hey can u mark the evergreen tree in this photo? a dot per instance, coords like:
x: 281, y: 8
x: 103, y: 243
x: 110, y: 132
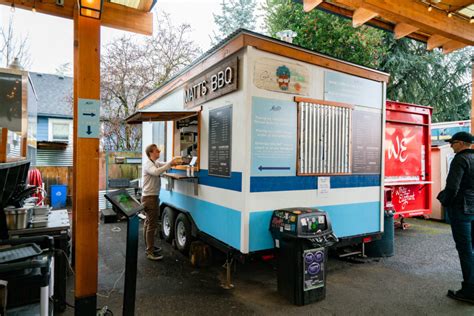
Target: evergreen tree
x: 235, y: 14
x: 416, y: 75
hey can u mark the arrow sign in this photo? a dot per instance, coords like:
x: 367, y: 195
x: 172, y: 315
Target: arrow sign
x: 89, y: 114
x: 261, y: 168
x: 88, y: 118
x: 89, y: 130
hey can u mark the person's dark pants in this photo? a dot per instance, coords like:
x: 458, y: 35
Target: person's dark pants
x: 462, y: 227
x: 152, y: 211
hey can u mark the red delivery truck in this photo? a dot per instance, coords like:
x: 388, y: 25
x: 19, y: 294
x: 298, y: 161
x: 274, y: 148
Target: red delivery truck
x: 407, y: 160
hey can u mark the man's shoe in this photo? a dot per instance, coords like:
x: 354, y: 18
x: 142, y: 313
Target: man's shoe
x: 154, y: 256
x: 460, y: 296
x: 156, y: 250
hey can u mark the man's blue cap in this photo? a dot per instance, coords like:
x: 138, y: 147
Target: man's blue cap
x: 462, y: 136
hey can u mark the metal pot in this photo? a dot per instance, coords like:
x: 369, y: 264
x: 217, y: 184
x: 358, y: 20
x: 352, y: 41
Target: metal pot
x: 23, y: 217
x: 11, y: 218
x: 17, y: 218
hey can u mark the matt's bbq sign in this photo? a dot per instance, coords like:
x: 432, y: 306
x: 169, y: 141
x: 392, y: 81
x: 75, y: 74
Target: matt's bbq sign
x: 218, y: 81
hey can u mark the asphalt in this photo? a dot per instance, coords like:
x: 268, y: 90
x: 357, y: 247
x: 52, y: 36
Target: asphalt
x: 412, y: 282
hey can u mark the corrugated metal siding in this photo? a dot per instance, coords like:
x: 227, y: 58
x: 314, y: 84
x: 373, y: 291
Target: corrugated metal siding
x: 42, y: 132
x: 54, y: 157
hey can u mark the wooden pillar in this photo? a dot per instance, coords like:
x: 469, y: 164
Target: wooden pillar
x: 3, y: 144
x: 472, y: 95
x: 86, y: 166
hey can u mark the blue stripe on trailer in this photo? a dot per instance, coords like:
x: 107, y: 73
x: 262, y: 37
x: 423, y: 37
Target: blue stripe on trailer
x: 234, y: 182
x: 269, y: 184
x: 218, y: 221
x: 347, y: 220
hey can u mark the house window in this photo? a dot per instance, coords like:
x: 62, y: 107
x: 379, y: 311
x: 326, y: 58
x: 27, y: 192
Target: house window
x: 59, y: 130
x: 324, y: 140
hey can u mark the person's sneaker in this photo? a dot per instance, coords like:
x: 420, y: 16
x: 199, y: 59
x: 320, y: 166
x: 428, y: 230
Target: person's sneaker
x: 155, y: 250
x: 460, y: 296
x: 154, y: 256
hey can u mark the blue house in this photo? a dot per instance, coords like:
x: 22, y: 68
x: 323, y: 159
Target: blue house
x: 55, y: 121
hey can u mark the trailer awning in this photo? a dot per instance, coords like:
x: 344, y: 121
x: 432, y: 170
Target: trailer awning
x: 140, y: 117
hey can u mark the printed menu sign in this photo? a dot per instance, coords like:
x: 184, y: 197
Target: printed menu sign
x: 220, y: 141
x: 366, y: 142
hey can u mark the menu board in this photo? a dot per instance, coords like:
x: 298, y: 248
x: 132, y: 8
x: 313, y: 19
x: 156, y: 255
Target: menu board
x: 220, y: 141
x: 366, y: 142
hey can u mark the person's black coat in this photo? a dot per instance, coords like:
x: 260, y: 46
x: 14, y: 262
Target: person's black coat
x: 459, y: 191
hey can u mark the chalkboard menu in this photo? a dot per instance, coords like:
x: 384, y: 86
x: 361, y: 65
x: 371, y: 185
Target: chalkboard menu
x: 366, y: 142
x: 220, y: 141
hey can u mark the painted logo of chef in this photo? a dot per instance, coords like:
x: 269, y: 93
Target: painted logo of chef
x: 283, y: 73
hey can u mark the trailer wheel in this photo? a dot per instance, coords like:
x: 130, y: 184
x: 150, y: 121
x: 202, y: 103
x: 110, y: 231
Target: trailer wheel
x: 167, y: 223
x: 183, y: 237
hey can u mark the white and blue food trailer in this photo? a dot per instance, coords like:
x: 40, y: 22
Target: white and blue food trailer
x: 273, y: 126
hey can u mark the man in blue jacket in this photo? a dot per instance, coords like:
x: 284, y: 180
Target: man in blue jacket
x: 458, y: 200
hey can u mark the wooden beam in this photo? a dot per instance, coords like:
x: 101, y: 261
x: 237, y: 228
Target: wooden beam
x: 375, y: 22
x: 451, y: 46
x: 415, y: 13
x: 309, y: 5
x: 86, y: 171
x: 403, y: 29
x: 113, y: 15
x: 436, y: 41
x: 361, y: 16
x: 472, y: 96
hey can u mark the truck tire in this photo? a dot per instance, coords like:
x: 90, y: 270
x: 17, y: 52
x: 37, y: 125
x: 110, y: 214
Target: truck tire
x: 167, y: 223
x: 183, y: 236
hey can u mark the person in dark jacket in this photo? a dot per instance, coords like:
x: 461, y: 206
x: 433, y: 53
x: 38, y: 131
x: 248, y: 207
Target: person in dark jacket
x: 458, y: 200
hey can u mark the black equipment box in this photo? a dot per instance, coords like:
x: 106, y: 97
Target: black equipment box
x: 301, y: 237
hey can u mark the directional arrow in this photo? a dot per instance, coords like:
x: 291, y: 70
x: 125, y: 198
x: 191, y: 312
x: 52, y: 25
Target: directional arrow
x: 89, y: 130
x: 261, y: 168
x: 89, y: 114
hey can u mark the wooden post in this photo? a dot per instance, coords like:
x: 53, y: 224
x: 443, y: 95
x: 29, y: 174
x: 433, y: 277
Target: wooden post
x: 3, y: 144
x: 86, y: 166
x: 472, y: 95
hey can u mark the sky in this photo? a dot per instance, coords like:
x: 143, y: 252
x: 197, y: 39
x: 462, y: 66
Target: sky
x: 50, y: 38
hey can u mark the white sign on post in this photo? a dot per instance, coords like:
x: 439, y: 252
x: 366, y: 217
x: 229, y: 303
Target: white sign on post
x: 88, y: 121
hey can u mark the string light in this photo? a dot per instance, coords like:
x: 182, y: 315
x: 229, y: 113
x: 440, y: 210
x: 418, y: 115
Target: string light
x: 450, y: 14
x: 34, y: 6
x: 13, y: 6
x: 471, y: 20
x: 430, y: 8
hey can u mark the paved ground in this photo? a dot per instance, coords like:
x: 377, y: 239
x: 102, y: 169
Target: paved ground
x: 413, y: 282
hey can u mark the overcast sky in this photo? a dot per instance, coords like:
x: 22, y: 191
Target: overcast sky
x: 50, y: 38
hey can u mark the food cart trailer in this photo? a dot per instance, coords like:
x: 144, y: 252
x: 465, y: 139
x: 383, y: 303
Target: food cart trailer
x: 408, y: 160
x: 272, y: 125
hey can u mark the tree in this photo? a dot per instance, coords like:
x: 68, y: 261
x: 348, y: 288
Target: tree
x: 235, y: 14
x: 326, y: 33
x: 430, y: 78
x: 130, y: 69
x: 416, y: 75
x: 12, y: 47
x: 64, y: 69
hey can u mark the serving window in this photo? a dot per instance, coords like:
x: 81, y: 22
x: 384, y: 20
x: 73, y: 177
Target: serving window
x: 186, y: 127
x: 186, y: 140
x: 324, y: 137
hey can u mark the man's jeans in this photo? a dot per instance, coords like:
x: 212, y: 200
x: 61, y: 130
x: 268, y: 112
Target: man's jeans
x: 462, y: 227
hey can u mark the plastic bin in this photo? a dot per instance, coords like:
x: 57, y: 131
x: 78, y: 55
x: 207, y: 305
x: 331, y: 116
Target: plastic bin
x: 385, y: 246
x: 58, y: 195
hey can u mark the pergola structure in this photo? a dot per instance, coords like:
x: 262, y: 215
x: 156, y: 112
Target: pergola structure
x: 444, y: 24
x: 88, y: 16
x: 424, y: 20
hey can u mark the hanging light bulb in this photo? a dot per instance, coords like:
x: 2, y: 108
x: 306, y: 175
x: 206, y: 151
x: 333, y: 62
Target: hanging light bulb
x: 450, y: 14
x: 34, y: 6
x: 430, y: 8
x: 471, y: 20
x: 12, y: 7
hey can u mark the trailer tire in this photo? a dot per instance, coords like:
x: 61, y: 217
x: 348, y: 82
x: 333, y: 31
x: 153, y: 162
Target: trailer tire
x: 167, y: 223
x: 183, y: 233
